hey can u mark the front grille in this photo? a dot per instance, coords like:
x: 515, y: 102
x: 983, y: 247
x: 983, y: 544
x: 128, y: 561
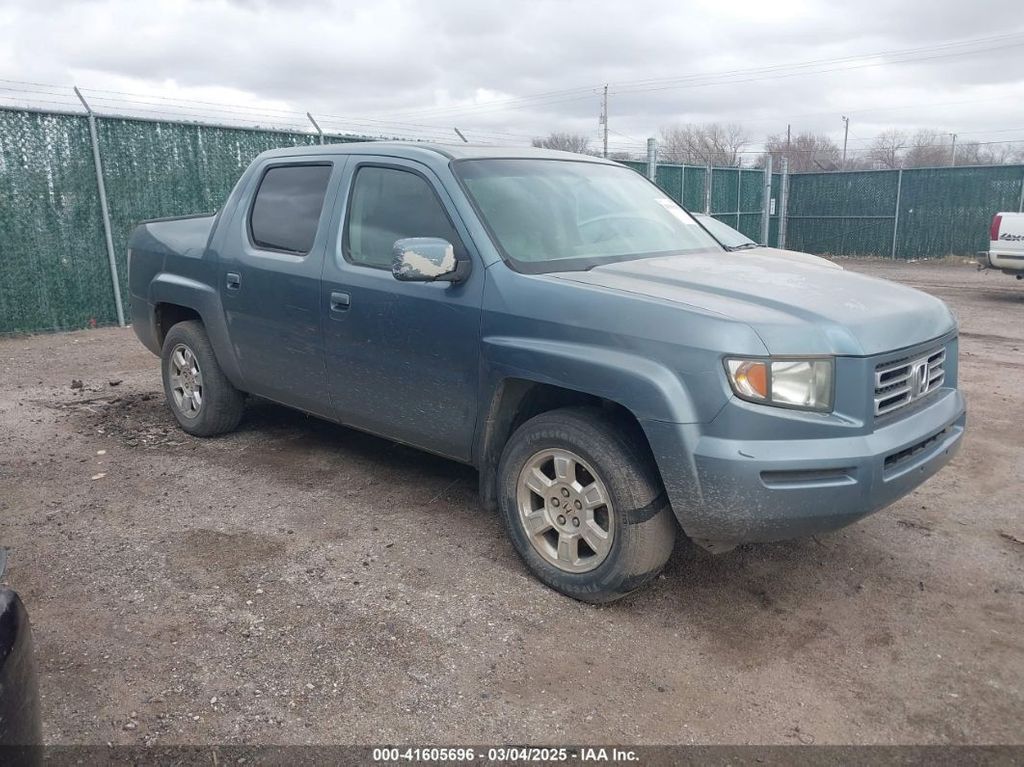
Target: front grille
x: 900, y: 382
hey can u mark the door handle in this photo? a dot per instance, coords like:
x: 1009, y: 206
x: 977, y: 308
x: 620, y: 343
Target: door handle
x: 340, y: 301
x: 234, y: 281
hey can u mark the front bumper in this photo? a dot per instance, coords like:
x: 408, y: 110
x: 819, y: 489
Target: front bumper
x: 729, y: 491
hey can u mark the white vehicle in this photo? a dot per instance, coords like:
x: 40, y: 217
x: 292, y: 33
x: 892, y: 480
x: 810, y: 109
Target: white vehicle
x: 1006, y: 245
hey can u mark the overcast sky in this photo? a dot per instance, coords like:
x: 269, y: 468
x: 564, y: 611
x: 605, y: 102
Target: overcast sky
x: 503, y: 72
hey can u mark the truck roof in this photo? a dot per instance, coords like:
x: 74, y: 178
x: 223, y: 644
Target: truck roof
x: 415, y: 150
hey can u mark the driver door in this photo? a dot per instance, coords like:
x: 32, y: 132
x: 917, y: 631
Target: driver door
x: 402, y: 357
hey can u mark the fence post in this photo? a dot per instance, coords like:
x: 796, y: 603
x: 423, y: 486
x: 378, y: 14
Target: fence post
x: 766, y: 201
x: 104, y: 210
x: 652, y: 159
x: 682, y: 186
x: 1020, y: 205
x: 319, y: 132
x: 739, y: 195
x: 707, y: 188
x: 784, y: 203
x: 896, y: 216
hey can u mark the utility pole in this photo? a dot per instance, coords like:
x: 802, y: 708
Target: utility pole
x: 952, y: 153
x: 604, y: 119
x: 788, y: 136
x: 846, y: 136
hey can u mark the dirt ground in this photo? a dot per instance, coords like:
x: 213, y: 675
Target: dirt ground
x: 298, y: 582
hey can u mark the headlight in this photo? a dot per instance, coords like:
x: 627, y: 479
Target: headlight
x: 797, y: 383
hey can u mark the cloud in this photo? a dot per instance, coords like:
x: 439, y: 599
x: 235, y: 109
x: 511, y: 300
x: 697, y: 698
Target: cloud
x: 507, y: 71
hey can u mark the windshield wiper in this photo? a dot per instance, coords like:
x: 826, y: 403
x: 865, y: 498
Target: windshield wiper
x: 745, y: 246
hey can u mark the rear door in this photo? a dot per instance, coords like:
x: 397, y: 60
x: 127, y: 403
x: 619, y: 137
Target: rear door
x: 402, y: 357
x: 270, y: 279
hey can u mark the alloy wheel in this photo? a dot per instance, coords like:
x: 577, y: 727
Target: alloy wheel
x: 565, y: 510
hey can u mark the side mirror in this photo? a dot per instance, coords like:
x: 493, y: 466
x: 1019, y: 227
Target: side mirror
x: 427, y: 259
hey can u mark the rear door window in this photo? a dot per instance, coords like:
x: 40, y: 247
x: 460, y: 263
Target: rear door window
x: 286, y: 212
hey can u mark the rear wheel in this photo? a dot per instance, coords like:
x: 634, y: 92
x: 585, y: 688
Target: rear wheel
x: 202, y: 399
x: 583, y: 504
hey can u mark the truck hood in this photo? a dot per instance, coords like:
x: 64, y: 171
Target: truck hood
x: 796, y: 307
x: 794, y: 255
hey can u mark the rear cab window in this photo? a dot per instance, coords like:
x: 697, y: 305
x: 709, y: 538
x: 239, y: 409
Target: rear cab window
x: 286, y: 210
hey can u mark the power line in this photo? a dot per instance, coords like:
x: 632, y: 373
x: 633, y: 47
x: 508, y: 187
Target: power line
x: 569, y: 95
x: 818, y: 71
x: 707, y: 79
x: 294, y: 119
x: 252, y: 112
x: 841, y: 59
x: 551, y: 98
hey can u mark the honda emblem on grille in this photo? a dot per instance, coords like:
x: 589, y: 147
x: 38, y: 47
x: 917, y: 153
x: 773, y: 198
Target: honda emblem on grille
x: 919, y: 379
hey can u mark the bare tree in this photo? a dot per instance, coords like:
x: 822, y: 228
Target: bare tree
x: 995, y: 154
x: 929, y: 149
x: 886, y: 149
x: 972, y: 153
x: 567, y: 142
x: 805, y: 152
x: 715, y: 143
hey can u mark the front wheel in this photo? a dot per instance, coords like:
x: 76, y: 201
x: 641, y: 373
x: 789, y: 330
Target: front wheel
x: 583, y: 504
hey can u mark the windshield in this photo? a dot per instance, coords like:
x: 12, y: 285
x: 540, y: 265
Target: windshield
x: 725, y: 234
x: 559, y: 215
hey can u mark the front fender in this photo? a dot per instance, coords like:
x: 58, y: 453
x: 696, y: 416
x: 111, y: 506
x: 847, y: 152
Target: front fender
x: 662, y: 400
x: 648, y: 389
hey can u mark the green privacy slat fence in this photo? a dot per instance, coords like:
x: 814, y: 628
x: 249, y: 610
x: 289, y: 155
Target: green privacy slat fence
x: 842, y: 213
x: 683, y: 183
x: 947, y: 211
x: 54, y: 272
x: 53, y: 262
x: 53, y: 269
x: 916, y: 213
x: 736, y: 194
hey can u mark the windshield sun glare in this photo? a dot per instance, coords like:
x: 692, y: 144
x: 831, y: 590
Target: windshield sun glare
x: 564, y: 215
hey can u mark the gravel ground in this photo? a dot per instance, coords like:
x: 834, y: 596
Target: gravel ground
x: 297, y: 582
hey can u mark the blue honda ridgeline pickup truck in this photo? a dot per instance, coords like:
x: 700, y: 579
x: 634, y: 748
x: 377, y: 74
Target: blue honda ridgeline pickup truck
x: 559, y: 323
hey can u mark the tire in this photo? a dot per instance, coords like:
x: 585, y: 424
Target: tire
x: 219, y: 405
x: 639, y: 528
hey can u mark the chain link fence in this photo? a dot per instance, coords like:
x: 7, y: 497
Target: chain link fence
x: 734, y: 196
x: 53, y: 267
x: 54, y: 270
x: 55, y: 274
x: 907, y: 214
